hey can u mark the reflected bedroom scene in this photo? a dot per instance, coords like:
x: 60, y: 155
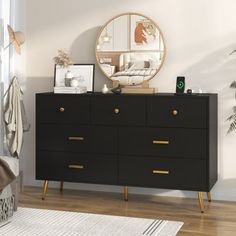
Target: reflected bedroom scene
x: 130, y: 49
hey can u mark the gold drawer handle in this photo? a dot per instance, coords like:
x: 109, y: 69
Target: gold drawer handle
x: 61, y: 109
x: 80, y: 167
x: 117, y: 110
x: 174, y: 112
x: 161, y: 172
x: 76, y: 138
x: 162, y: 142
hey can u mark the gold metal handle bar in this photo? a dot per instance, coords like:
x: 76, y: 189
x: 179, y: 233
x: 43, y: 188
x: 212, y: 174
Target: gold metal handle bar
x: 76, y: 167
x: 76, y: 138
x: 161, y: 142
x: 161, y: 172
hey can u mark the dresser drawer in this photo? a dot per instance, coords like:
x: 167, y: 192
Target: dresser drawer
x: 118, y: 110
x: 76, y: 167
x: 177, y: 111
x: 62, y: 108
x: 77, y: 138
x: 165, y: 142
x: 163, y: 173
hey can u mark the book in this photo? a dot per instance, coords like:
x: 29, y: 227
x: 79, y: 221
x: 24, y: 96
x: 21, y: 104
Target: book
x: 78, y: 90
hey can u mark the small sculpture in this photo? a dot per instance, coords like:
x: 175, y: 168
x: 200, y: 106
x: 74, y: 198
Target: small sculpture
x: 105, y: 89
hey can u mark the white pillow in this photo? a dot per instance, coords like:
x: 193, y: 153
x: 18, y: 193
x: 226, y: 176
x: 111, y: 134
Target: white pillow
x: 154, y: 64
x: 138, y: 65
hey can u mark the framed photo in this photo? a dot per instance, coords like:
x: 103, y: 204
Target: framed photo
x: 83, y: 73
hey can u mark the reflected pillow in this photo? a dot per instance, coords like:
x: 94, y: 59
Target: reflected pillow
x: 138, y: 65
x: 154, y: 64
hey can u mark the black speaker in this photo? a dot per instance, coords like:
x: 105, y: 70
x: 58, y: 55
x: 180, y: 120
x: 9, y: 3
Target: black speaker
x: 180, y: 84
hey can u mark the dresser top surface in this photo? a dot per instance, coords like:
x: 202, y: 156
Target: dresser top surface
x: 117, y: 95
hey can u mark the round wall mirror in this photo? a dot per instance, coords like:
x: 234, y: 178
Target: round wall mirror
x: 130, y: 49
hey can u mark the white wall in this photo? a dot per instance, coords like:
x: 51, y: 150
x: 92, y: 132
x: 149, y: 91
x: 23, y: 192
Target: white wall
x: 199, y: 36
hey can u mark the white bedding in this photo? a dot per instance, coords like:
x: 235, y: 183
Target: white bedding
x: 135, y: 76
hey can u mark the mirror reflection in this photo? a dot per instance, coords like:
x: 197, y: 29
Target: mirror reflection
x: 130, y: 49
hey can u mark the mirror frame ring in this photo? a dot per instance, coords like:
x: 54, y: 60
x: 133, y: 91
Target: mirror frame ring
x: 113, y: 18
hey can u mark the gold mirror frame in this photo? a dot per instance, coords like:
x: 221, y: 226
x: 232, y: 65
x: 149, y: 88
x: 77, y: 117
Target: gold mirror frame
x: 145, y: 83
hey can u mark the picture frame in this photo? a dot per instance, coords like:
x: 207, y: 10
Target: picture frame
x: 84, y: 73
x: 144, y: 35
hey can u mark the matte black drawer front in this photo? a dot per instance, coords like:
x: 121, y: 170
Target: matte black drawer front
x: 76, y: 167
x: 162, y: 173
x: 77, y: 138
x: 62, y: 109
x: 118, y: 110
x: 177, y: 111
x: 168, y: 142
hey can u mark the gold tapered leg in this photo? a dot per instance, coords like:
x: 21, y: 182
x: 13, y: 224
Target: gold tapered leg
x: 45, y: 187
x: 126, y: 193
x: 201, y: 203
x: 209, y: 196
x: 61, y: 186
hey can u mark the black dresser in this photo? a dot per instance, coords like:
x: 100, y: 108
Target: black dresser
x: 160, y: 141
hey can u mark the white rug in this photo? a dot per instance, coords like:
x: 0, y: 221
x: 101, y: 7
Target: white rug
x: 35, y: 222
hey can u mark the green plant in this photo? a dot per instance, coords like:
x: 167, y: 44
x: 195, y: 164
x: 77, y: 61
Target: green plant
x: 232, y: 118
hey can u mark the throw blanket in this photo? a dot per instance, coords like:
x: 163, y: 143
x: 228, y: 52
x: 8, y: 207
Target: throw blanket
x: 9, y: 170
x: 15, y: 118
x: 137, y: 72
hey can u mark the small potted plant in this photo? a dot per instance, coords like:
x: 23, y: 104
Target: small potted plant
x: 232, y: 118
x: 63, y: 60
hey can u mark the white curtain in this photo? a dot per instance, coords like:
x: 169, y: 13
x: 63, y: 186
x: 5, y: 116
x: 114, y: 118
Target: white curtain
x: 5, y: 61
x: 2, y: 131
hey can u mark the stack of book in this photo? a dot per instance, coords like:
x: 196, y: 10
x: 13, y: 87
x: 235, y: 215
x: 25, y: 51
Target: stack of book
x: 80, y: 89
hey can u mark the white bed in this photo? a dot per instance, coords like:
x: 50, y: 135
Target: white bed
x: 137, y: 67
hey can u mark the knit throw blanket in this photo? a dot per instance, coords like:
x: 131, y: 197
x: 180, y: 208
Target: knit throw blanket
x: 9, y: 170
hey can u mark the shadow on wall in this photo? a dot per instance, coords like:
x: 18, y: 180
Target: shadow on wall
x: 83, y: 51
x: 213, y: 72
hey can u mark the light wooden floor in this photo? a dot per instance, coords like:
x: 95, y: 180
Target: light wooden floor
x: 218, y: 219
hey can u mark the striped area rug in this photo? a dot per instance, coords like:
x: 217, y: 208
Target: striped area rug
x: 36, y: 222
